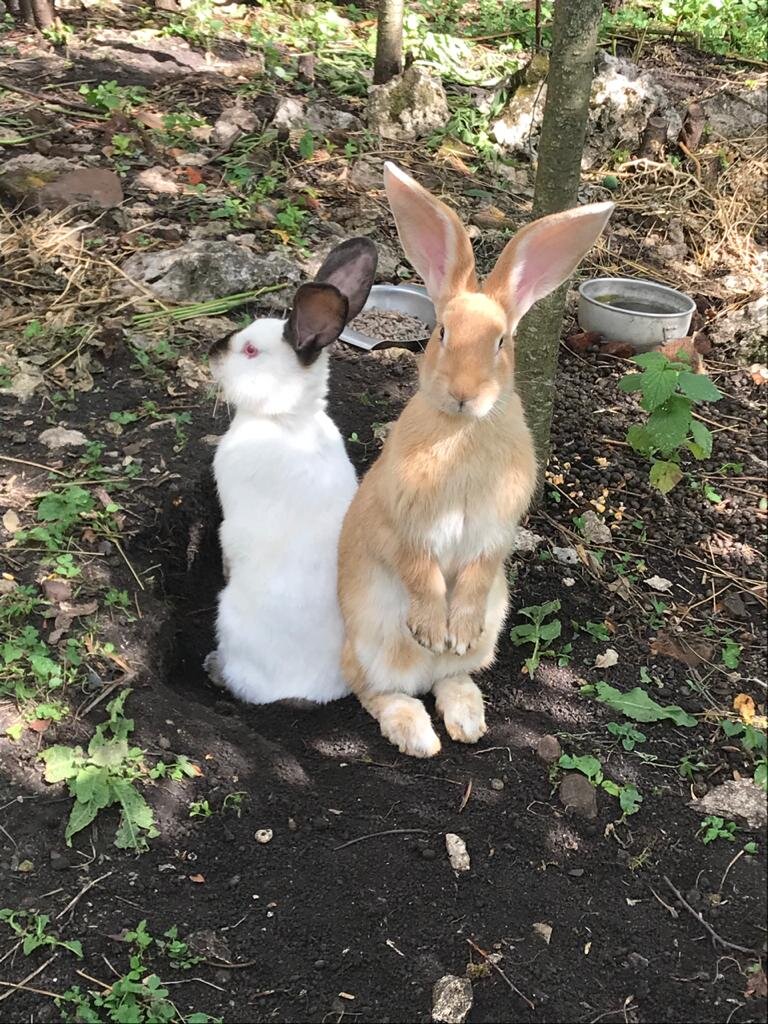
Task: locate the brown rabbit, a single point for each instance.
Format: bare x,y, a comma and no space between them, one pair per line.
421,561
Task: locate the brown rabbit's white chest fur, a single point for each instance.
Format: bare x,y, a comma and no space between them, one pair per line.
466,483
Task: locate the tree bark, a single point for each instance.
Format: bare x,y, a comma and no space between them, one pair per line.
389,41
564,127
38,14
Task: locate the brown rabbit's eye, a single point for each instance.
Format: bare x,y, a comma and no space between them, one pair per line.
501,342
442,334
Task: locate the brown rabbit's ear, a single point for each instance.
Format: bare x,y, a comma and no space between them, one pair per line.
543,255
350,267
317,318
433,238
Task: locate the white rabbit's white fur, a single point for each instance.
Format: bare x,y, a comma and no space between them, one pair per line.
285,482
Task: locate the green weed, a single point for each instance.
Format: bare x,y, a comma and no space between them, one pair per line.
537,632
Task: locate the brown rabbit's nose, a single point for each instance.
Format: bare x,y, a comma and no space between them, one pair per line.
459,397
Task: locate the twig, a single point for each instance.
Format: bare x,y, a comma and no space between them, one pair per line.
501,973
465,798
73,902
96,981
374,835
119,547
82,108
227,966
37,465
13,986
186,981
708,927
672,910
725,873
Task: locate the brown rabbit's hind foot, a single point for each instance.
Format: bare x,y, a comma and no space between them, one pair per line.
405,722
460,702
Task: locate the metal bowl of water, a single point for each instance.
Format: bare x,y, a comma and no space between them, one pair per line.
640,313
411,299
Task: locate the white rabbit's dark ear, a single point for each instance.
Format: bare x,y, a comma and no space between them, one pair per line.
350,267
317,318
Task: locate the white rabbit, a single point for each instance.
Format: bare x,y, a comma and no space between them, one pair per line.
285,482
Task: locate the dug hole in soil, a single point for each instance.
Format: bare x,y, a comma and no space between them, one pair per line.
333,918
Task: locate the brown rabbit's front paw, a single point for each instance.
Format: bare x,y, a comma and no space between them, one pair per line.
465,628
428,626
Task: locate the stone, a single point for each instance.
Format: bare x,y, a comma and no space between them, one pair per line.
734,113
577,794
745,330
263,836
451,999
22,177
367,173
548,749
568,556
60,437
594,530
290,113
739,798
526,541
388,262
497,785
231,123
93,188
322,118
521,118
457,852
203,270
57,591
408,107
159,180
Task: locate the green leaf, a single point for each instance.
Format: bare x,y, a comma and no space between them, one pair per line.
650,360
630,799
307,145
732,728
61,762
15,731
107,753
137,816
698,387
702,436
587,765
73,945
91,786
522,634
80,817
31,943
610,787
750,848
639,438
631,382
550,630
637,705
731,653
668,425
761,775
665,475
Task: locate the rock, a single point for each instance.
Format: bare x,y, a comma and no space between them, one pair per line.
578,794
608,659
521,118
57,591
159,180
11,521
25,381
7,586
594,530
367,173
233,121
658,583
457,852
60,437
735,113
735,799
542,931
388,263
409,106
203,270
451,999
548,749
497,785
263,836
59,861
323,118
746,330
290,113
568,556
22,177
526,541
93,188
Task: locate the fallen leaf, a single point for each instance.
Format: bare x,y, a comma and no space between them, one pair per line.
11,521
608,659
193,175
197,879
622,588
543,930
620,349
582,341
659,583
690,651
39,724
757,985
745,706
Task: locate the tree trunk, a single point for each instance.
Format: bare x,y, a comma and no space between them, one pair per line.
571,68
38,14
389,41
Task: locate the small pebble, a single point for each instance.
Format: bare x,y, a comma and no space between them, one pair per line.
428,854
497,784
548,749
263,836
292,826
389,325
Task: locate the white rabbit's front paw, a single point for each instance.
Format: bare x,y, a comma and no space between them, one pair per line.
405,722
212,667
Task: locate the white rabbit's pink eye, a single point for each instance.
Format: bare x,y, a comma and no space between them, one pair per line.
250,350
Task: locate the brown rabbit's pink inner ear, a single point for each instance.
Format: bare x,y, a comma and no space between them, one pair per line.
542,256
433,238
